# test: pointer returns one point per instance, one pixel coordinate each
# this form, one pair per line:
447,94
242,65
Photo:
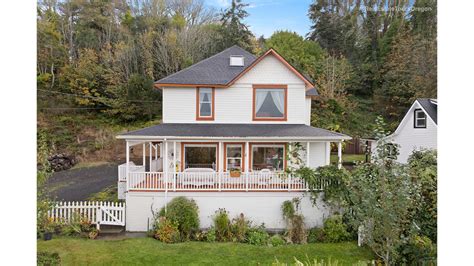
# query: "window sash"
420,119
280,160
213,164
202,93
235,158
278,98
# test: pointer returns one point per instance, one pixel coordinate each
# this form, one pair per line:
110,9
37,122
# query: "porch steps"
111,229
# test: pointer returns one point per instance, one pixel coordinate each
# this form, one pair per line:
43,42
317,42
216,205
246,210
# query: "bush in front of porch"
182,213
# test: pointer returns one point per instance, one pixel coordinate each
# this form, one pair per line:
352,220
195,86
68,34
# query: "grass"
137,251
89,164
108,194
348,158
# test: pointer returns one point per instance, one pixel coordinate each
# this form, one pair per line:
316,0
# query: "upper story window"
205,104
420,119
270,102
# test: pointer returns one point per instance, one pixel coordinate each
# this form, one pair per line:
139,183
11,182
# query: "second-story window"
270,102
205,104
420,119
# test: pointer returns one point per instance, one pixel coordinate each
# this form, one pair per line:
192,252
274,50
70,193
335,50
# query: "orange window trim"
251,144
269,86
204,143
242,145
198,115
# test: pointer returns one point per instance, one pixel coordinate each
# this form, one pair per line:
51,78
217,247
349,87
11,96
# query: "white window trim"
417,119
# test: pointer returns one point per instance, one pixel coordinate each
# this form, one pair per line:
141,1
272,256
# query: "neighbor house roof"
185,130
431,107
217,72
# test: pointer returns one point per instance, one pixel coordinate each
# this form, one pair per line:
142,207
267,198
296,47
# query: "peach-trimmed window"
205,103
234,156
270,102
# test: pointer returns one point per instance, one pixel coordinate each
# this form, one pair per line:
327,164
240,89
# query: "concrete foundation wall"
259,207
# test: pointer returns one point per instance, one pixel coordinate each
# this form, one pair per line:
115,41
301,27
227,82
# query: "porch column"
247,160
339,154
150,153
127,159
220,160
144,155
307,153
174,156
165,165
328,153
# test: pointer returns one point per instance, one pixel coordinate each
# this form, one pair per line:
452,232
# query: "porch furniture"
198,177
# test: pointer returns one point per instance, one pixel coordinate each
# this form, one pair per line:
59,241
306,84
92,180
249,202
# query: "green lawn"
76,251
348,157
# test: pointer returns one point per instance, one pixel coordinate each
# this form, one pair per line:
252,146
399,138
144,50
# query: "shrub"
316,235
211,235
222,225
296,232
335,230
182,212
258,236
48,258
240,227
277,240
167,231
419,250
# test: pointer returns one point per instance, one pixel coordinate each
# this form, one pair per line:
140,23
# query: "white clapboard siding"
234,104
95,212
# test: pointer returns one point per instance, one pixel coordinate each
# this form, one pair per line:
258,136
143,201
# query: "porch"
214,166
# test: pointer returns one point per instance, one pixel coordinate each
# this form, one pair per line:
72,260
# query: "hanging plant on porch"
293,156
235,172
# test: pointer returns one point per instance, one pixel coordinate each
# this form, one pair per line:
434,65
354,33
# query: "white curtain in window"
279,100
260,95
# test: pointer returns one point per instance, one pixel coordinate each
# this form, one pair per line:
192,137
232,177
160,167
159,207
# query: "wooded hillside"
97,60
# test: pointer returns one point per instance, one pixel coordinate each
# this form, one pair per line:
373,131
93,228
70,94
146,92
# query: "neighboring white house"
417,130
229,123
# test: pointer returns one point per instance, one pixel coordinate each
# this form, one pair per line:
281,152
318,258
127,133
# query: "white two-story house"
232,124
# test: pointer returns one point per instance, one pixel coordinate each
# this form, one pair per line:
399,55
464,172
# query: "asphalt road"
79,184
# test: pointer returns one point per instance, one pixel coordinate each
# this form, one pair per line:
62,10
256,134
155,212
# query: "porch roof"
255,131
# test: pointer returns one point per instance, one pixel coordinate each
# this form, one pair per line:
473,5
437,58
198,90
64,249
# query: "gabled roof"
430,107
215,71
267,131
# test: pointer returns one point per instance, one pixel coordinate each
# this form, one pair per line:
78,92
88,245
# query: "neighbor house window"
200,156
268,156
420,119
270,102
234,157
205,104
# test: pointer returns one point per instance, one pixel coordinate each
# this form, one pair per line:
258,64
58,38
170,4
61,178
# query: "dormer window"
236,60
205,104
270,102
420,119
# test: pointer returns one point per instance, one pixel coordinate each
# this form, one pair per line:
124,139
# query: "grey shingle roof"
430,107
214,70
312,92
234,130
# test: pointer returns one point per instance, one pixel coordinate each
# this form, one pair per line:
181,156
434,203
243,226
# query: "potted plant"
235,172
48,231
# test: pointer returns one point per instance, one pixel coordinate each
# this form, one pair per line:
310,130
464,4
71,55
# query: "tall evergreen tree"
235,31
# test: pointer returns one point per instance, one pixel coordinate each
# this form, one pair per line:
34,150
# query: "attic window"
420,119
236,60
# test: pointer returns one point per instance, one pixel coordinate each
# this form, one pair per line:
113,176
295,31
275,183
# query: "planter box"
235,174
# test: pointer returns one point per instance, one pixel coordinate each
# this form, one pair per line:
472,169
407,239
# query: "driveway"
79,184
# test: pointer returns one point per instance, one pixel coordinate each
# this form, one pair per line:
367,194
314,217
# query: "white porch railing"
122,170
204,181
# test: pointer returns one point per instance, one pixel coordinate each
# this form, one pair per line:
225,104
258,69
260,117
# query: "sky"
268,16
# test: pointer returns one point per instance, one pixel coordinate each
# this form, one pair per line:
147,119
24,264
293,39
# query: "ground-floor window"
234,156
200,156
268,156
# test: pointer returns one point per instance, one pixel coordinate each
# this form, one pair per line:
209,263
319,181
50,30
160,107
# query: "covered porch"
222,163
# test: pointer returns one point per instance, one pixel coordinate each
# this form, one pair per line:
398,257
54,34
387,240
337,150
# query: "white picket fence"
96,212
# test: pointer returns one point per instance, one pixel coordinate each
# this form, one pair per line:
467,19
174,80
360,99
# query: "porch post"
150,153
307,153
247,164
165,165
127,161
174,156
339,154
220,164
144,155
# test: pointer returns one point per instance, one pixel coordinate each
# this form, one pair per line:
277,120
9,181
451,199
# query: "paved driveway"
79,184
